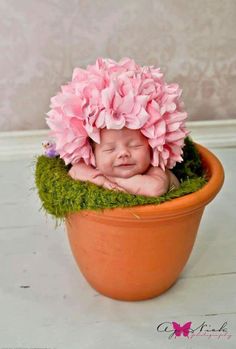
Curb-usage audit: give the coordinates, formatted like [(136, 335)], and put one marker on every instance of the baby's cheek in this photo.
[(99, 159), (105, 165), (145, 158)]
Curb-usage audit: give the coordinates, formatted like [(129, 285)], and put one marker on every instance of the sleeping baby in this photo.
[(123, 162)]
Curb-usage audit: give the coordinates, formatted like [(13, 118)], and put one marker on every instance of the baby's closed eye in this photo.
[(136, 145), (108, 150)]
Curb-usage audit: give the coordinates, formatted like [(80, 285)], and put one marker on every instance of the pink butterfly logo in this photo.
[(181, 329)]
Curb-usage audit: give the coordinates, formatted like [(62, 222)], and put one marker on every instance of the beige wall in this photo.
[(193, 41)]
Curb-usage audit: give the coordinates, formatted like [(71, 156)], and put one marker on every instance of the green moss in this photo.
[(60, 194), (191, 166)]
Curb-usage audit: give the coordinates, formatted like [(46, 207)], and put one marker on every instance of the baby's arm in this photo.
[(154, 183), (174, 182), (84, 172)]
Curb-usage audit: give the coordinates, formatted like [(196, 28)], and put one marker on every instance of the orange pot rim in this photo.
[(174, 207)]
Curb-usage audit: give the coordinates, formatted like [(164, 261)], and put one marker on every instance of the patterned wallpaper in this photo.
[(193, 41)]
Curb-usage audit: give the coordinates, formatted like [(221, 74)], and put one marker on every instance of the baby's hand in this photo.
[(84, 172), (154, 183), (112, 186)]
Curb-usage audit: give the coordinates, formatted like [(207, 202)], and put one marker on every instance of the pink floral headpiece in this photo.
[(114, 95)]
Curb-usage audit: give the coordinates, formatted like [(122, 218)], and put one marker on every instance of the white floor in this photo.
[(46, 303)]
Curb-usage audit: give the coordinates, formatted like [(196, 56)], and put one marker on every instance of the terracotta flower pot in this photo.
[(137, 253)]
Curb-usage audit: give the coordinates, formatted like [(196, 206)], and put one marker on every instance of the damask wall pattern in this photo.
[(193, 41)]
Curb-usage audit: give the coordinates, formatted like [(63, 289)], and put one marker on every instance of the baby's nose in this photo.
[(123, 153)]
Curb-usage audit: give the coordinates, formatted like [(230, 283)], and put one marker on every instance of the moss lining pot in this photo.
[(138, 252)]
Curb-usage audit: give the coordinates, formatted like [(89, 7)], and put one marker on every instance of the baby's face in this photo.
[(122, 153)]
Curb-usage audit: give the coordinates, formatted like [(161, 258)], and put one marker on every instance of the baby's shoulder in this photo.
[(166, 176), (155, 171)]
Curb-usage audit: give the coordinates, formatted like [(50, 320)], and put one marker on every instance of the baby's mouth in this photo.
[(125, 165)]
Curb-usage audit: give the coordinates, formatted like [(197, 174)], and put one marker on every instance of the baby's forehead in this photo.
[(108, 136)]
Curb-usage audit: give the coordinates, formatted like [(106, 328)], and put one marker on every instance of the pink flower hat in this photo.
[(114, 95)]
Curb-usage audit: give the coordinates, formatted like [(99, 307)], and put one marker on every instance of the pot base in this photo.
[(133, 297)]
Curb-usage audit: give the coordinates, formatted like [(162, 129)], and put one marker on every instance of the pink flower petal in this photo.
[(127, 104)]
